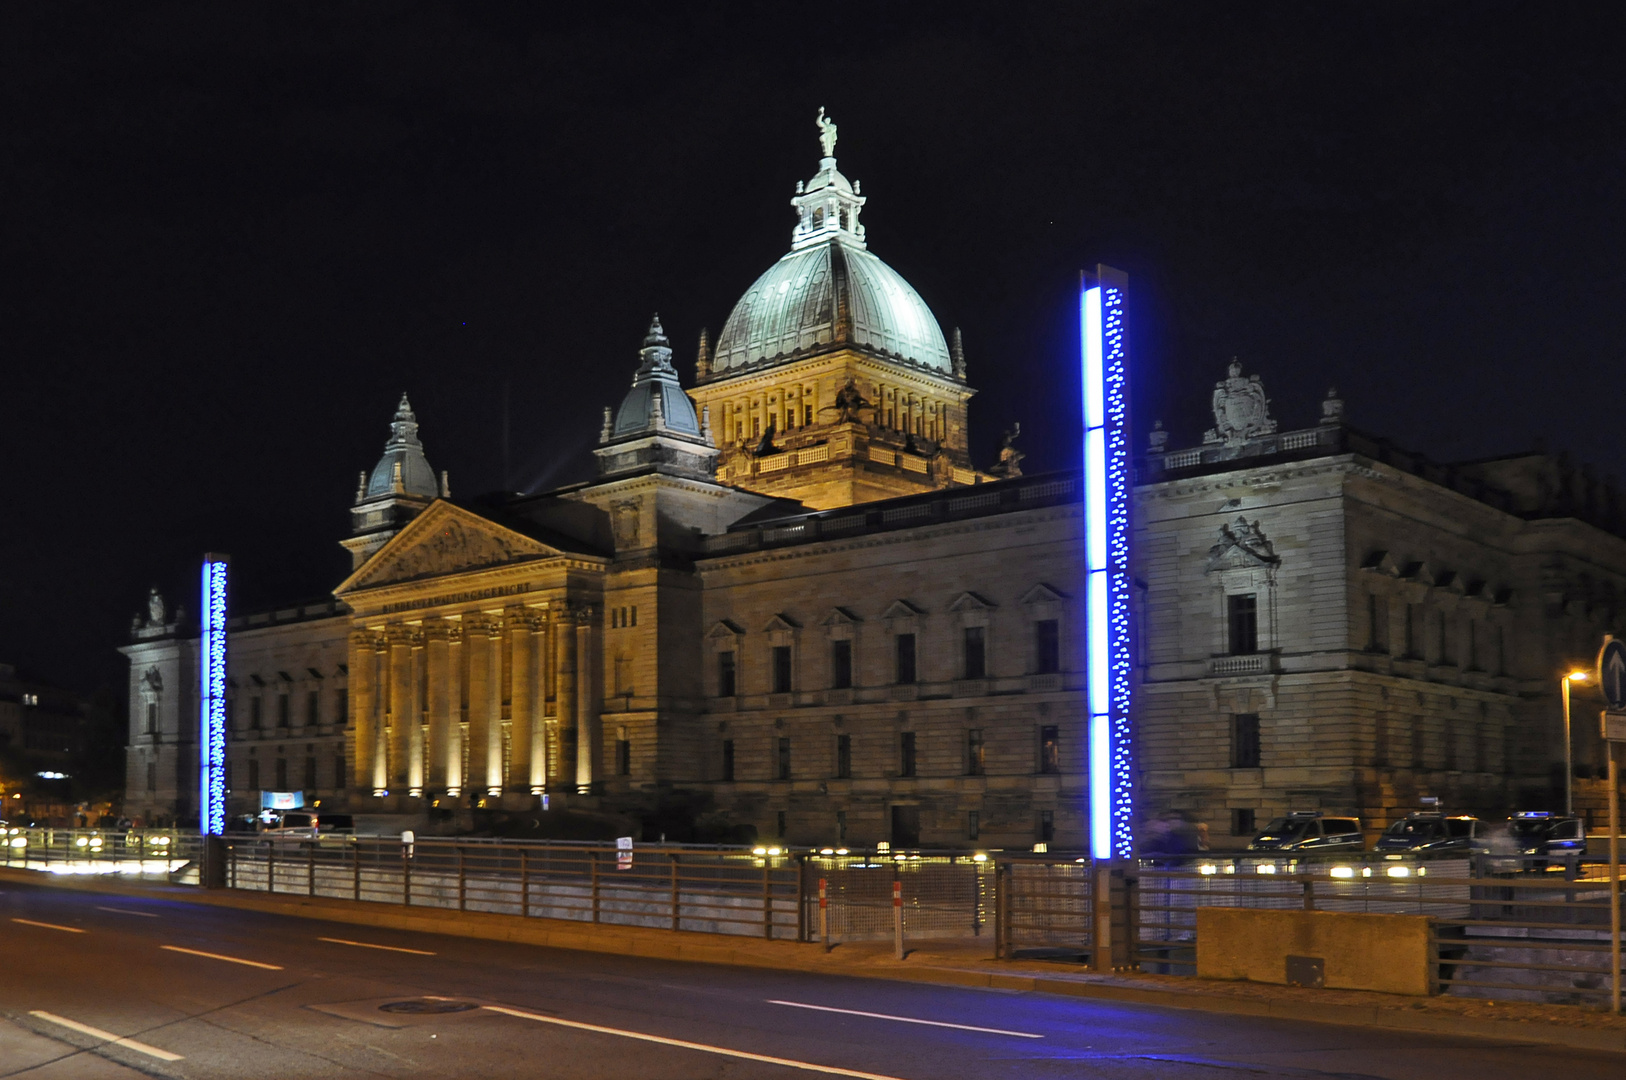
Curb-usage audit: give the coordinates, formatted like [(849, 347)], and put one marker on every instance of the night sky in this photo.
[(232, 234)]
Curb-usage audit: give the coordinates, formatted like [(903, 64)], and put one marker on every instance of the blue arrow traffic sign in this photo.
[(1612, 673)]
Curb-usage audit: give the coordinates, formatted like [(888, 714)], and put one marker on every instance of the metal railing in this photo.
[(170, 854)]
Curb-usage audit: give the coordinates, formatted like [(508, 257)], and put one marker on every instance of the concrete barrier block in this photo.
[(1387, 953)]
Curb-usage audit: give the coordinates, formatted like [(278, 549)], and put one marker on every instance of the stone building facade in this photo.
[(790, 588)]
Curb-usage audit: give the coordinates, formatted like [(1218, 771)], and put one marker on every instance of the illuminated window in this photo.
[(1050, 749), (976, 753), (844, 757), (906, 754), (1242, 614)]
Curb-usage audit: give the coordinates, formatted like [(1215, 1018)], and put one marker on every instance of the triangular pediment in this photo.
[(970, 601), (901, 609), (1380, 562), (840, 616), (781, 621), (444, 539), (725, 629), (1043, 594)]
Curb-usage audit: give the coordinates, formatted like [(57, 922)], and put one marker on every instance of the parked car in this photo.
[(1308, 830), (312, 825), (1541, 833), (1434, 832)]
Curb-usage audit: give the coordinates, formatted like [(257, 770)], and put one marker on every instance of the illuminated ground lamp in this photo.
[(212, 719), (1107, 491)]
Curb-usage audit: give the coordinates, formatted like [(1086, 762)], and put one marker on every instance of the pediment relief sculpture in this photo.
[(1241, 544), (446, 542)]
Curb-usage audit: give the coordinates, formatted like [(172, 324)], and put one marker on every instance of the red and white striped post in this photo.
[(824, 916), (897, 916)]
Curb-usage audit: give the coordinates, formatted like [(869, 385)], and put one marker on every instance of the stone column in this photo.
[(477, 640), (401, 720), (532, 772), (564, 637), (493, 740), (522, 692), (378, 767), (440, 711), (415, 715), (455, 780), (363, 705), (587, 682)]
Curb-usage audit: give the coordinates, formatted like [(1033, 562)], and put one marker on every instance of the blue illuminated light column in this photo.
[(212, 714), (1108, 487)]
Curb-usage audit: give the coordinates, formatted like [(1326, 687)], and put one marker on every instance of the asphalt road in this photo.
[(208, 992)]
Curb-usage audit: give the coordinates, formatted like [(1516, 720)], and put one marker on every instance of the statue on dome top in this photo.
[(827, 133)]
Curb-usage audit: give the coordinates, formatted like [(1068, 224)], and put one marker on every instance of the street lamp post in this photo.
[(1569, 752)]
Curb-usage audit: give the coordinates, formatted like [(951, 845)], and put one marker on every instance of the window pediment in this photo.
[(725, 629), (970, 601), (1043, 594)]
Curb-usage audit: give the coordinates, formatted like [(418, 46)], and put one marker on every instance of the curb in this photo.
[(691, 947)]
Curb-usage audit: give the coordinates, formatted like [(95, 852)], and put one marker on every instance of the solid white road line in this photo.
[(126, 911), (49, 926), (370, 945), (908, 1019), (806, 1066), (98, 1033), (217, 956)]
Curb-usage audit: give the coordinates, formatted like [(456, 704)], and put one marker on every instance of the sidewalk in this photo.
[(943, 963)]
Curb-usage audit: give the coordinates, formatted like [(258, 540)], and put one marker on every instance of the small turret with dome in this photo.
[(397, 489), (656, 426)]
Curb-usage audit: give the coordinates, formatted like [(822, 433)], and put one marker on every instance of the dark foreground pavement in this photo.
[(196, 991)]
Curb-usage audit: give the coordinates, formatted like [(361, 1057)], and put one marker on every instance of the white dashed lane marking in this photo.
[(106, 1036), (217, 956), (370, 945), (49, 926), (908, 1020)]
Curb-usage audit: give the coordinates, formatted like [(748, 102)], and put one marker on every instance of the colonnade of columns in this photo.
[(478, 704)]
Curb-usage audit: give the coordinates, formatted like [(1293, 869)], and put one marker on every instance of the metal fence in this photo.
[(939, 895), (170, 854)]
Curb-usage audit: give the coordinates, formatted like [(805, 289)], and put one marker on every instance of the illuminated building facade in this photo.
[(789, 588)]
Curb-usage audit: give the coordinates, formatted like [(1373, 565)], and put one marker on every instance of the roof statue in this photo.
[(827, 134), (155, 608), (1009, 465), (1241, 409), (849, 402)]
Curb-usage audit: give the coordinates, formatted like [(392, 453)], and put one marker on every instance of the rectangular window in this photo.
[(1245, 741), (313, 709), (633, 621), (1047, 826), (253, 775), (975, 653), (1047, 646), (906, 754), (310, 774), (1242, 614), (1050, 749), (342, 709), (1242, 823), (784, 759), (282, 712), (807, 416), (905, 644), (254, 713), (779, 824), (728, 759), (844, 757), (152, 717), (841, 826), (973, 825), (841, 665), (338, 770), (282, 774), (152, 775), (976, 753), (725, 674), (623, 757), (781, 669), (1377, 624), (1414, 617)]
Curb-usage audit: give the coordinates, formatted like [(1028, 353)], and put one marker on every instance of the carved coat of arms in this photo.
[(1241, 409), (1242, 542)]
